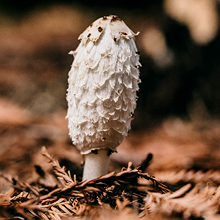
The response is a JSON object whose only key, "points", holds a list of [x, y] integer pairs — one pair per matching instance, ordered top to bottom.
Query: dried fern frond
{"points": [[59, 171], [173, 177], [129, 194], [72, 198], [189, 202]]}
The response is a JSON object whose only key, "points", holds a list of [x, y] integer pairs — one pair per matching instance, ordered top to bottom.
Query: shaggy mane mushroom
{"points": [[101, 96]]}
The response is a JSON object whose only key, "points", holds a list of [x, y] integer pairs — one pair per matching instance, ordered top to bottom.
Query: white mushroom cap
{"points": [[103, 81]]}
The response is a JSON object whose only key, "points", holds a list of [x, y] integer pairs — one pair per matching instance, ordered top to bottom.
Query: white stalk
{"points": [[96, 164]]}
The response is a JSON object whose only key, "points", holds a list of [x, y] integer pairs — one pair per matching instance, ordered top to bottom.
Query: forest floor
{"points": [[180, 182]]}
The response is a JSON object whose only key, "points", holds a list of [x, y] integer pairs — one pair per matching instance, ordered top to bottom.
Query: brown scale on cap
{"points": [[115, 18], [100, 29]]}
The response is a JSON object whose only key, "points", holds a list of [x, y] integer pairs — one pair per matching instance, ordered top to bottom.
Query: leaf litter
{"points": [[130, 193]]}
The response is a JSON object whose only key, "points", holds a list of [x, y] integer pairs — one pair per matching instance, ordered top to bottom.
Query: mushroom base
{"points": [[96, 164]]}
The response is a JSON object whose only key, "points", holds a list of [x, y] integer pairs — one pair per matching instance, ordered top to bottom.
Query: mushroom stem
{"points": [[96, 164]]}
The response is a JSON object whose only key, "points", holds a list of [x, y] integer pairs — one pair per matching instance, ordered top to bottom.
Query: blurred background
{"points": [[178, 112]]}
